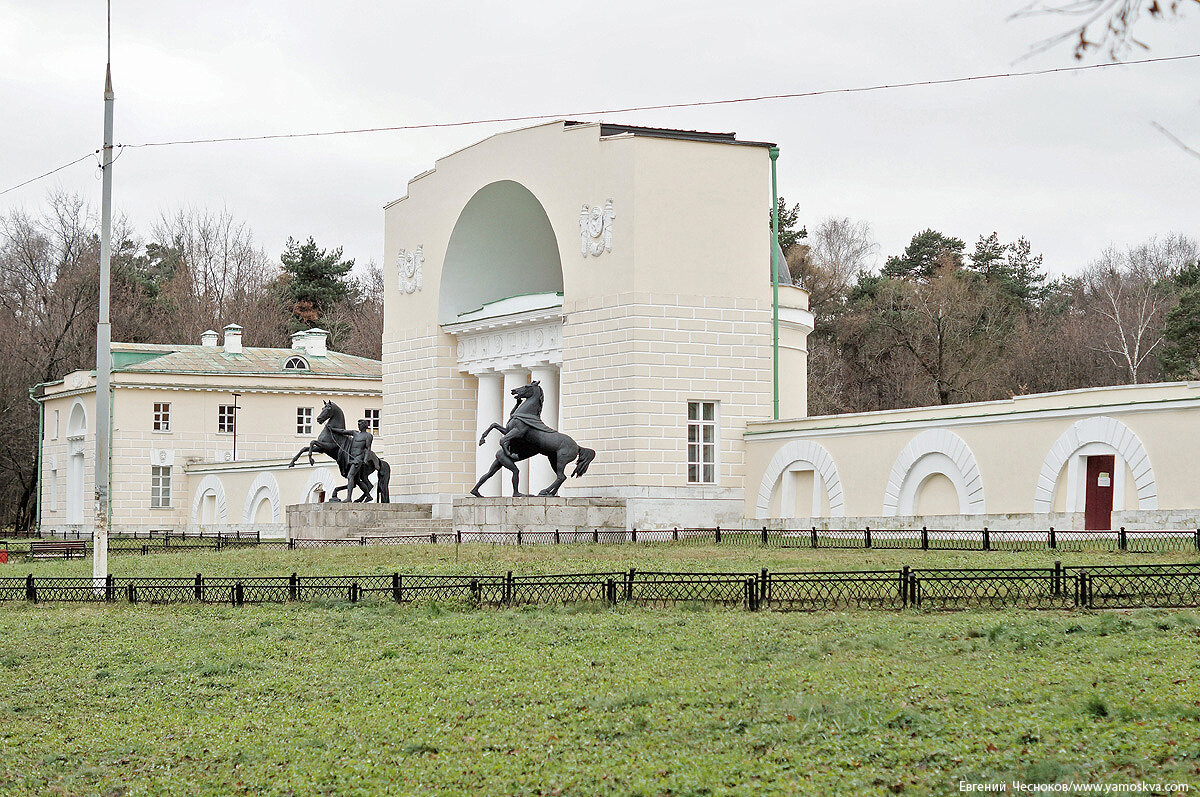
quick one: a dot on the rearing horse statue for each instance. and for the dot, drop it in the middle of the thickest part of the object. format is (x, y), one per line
(337, 447)
(526, 435)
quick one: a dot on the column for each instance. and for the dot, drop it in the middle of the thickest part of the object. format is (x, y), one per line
(514, 378)
(489, 403)
(540, 473)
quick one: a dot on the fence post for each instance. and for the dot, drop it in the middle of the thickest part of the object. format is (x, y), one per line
(634, 531)
(239, 595)
(675, 536)
(987, 539)
(518, 536)
(610, 592)
(293, 587)
(433, 537)
(717, 536)
(30, 589)
(1053, 542)
(764, 536)
(813, 536)
(508, 587)
(1085, 589)
(131, 593)
(751, 594)
(458, 537)
(904, 587)
(198, 587)
(109, 588)
(556, 539)
(145, 549)
(629, 585)
(475, 591)
(765, 593)
(291, 544)
(924, 539)
(1057, 579)
(220, 541)
(1122, 543)
(1197, 537)
(914, 591)
(354, 592)
(867, 537)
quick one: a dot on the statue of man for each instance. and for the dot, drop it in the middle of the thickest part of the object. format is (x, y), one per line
(360, 447)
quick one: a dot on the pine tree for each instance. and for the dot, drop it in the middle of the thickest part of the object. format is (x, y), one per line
(315, 280)
(927, 253)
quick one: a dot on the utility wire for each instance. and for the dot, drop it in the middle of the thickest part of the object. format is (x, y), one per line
(630, 109)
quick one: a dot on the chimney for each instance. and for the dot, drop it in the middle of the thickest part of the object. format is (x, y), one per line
(233, 339)
(298, 340)
(208, 338)
(314, 342)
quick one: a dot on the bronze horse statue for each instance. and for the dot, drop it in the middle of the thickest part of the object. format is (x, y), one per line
(337, 447)
(526, 435)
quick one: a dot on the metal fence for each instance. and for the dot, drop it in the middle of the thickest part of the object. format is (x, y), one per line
(925, 539)
(1057, 587)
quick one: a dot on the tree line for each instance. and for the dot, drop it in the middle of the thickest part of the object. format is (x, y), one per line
(941, 324)
(191, 270)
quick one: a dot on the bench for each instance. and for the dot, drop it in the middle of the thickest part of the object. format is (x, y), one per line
(71, 549)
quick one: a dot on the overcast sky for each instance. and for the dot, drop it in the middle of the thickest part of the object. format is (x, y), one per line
(1069, 161)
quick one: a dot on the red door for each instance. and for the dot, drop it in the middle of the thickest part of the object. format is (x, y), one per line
(1098, 498)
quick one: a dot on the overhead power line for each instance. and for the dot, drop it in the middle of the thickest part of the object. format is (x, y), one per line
(630, 109)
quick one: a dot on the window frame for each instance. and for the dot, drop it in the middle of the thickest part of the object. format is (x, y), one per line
(231, 425)
(373, 421)
(697, 465)
(161, 417)
(304, 421)
(160, 487)
(295, 358)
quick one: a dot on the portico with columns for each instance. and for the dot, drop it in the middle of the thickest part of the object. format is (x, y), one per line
(624, 269)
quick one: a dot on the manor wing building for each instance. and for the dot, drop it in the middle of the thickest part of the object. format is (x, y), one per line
(183, 458)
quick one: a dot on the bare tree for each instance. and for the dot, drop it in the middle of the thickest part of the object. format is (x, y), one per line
(1128, 294)
(1104, 24)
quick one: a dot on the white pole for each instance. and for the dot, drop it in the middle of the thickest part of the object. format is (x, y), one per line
(103, 352)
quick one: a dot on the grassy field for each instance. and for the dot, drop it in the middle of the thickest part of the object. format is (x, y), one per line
(373, 698)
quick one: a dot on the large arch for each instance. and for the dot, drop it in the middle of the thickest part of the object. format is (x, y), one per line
(502, 245)
(210, 485)
(802, 452)
(264, 486)
(1097, 435)
(934, 451)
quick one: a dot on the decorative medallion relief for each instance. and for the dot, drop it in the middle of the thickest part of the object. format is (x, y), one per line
(409, 266)
(162, 456)
(595, 229)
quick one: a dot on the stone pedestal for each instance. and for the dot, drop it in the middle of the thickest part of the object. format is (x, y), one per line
(539, 514)
(336, 521)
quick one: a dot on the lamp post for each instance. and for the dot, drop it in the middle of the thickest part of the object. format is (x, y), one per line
(103, 348)
(235, 412)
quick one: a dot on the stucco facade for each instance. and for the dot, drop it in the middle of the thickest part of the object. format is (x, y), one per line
(191, 447)
(1018, 463)
(666, 300)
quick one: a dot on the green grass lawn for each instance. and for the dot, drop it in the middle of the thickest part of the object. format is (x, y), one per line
(374, 698)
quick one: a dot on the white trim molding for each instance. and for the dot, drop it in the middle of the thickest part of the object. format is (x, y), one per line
(797, 452)
(264, 484)
(934, 451)
(321, 477)
(1097, 435)
(210, 484)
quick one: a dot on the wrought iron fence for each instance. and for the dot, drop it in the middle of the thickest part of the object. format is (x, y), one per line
(1057, 587)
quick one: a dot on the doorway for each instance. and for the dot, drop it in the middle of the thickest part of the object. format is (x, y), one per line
(1098, 495)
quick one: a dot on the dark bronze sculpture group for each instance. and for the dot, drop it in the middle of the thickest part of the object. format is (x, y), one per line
(524, 436)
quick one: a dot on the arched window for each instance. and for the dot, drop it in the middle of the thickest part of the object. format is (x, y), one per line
(295, 364)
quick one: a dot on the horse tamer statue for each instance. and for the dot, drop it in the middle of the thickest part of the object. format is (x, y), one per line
(352, 451)
(526, 435)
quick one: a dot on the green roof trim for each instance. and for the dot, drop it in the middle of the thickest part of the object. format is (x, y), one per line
(124, 359)
(136, 358)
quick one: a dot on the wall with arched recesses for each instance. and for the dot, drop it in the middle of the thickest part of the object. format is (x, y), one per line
(263, 486)
(1110, 434)
(934, 451)
(797, 452)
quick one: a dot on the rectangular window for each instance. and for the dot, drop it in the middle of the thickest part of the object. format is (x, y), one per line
(225, 418)
(702, 442)
(160, 486)
(372, 418)
(56, 424)
(54, 491)
(162, 417)
(304, 420)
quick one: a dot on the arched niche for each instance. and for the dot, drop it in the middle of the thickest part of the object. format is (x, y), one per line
(934, 451)
(77, 420)
(502, 245)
